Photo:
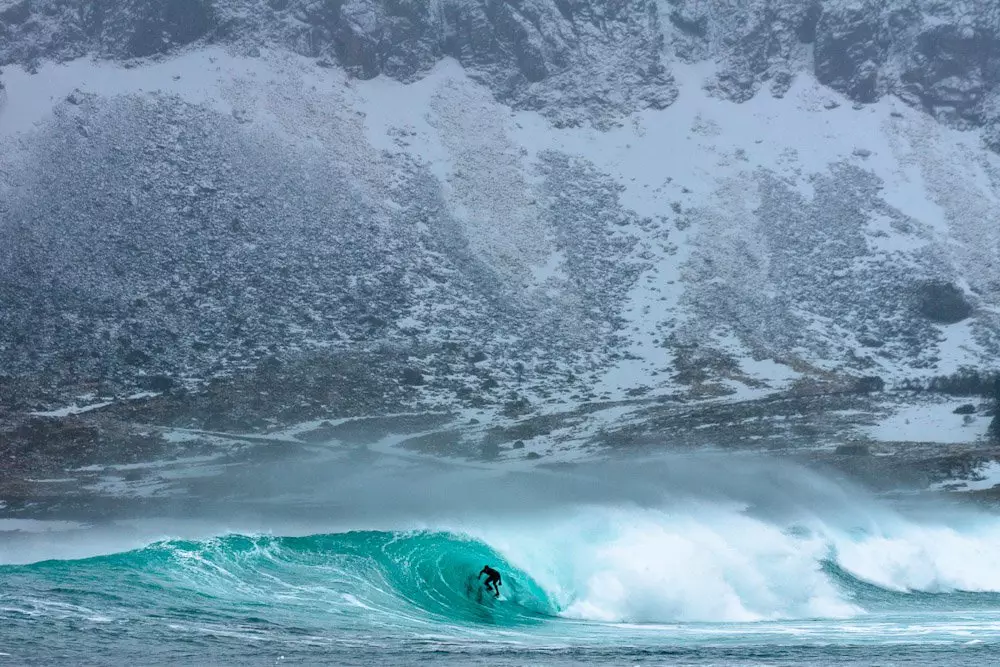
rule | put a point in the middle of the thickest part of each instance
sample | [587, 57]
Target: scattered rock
[16, 13]
[942, 302]
[852, 449]
[869, 384]
[412, 376]
[158, 383]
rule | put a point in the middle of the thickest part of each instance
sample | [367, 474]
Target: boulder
[942, 302]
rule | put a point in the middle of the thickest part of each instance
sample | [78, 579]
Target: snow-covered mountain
[268, 212]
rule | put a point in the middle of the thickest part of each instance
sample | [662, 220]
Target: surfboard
[476, 590]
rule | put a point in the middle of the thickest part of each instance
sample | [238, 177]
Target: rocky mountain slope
[240, 215]
[574, 60]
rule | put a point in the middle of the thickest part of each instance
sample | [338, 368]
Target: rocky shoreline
[148, 454]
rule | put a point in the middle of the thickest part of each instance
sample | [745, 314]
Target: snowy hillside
[707, 241]
[514, 206]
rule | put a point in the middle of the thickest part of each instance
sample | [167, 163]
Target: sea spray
[696, 563]
[902, 555]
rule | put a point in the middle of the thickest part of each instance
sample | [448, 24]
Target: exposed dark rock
[46, 445]
[16, 13]
[158, 383]
[806, 30]
[412, 376]
[850, 49]
[516, 406]
[966, 409]
[697, 26]
[149, 27]
[136, 358]
[991, 135]
[943, 303]
[868, 384]
[852, 449]
[952, 68]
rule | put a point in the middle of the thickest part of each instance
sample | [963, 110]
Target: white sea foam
[907, 556]
[716, 563]
[695, 564]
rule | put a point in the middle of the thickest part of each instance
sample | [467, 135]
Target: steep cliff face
[941, 56]
[31, 30]
[573, 60]
[576, 61]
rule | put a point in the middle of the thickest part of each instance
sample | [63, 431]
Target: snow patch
[930, 423]
[73, 409]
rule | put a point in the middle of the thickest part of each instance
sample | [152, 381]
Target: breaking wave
[603, 564]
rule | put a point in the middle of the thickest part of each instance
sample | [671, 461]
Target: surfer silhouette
[492, 577]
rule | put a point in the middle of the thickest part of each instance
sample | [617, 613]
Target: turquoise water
[599, 586]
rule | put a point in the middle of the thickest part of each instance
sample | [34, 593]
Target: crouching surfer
[492, 577]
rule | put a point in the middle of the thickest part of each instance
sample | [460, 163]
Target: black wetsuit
[492, 577]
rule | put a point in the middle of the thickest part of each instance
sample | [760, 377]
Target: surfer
[492, 577]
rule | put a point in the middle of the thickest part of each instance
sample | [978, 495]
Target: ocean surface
[690, 582]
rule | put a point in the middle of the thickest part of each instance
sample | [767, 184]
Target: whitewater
[696, 562]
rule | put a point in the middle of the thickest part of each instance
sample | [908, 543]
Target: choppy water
[691, 584]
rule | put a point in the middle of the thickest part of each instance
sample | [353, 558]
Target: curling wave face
[359, 580]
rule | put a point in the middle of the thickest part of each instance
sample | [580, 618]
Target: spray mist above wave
[712, 540]
[905, 556]
[637, 565]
